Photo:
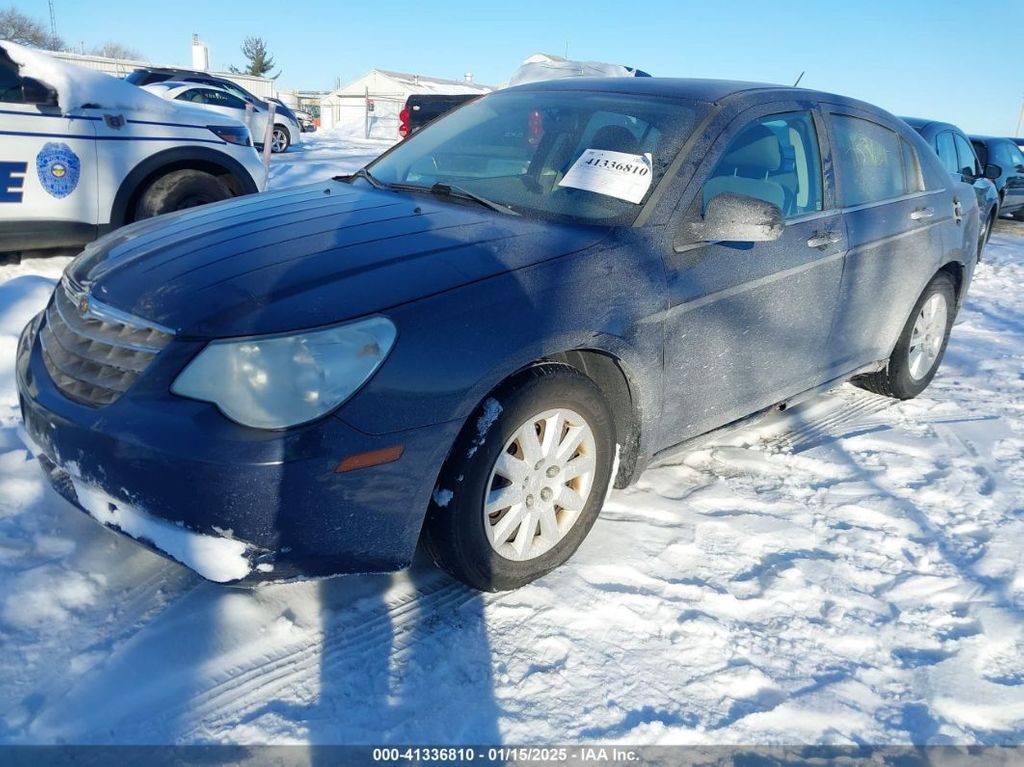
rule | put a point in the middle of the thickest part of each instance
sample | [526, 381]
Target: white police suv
[82, 153]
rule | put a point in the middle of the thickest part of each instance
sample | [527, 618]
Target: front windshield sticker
[615, 174]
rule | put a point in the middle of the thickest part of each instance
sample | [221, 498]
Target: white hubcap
[539, 484]
[927, 336]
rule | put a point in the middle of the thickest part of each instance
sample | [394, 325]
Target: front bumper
[152, 464]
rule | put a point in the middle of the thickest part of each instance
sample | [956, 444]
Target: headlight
[273, 382]
[233, 135]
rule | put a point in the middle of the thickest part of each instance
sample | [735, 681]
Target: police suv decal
[12, 179]
[58, 168]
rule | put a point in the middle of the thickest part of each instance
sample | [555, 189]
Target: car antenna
[801, 77]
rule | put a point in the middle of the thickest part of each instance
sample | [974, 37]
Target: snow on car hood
[78, 87]
[308, 256]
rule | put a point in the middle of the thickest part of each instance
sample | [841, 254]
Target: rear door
[894, 227]
[748, 323]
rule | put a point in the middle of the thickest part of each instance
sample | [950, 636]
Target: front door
[748, 322]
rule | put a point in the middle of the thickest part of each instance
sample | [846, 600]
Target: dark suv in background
[1005, 153]
[150, 75]
[961, 161]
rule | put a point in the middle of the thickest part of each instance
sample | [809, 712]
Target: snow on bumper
[218, 559]
[222, 560]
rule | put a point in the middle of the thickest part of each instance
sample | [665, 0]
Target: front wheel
[178, 190]
[920, 347]
[279, 139]
[525, 481]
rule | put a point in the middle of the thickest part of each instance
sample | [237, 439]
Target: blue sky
[912, 57]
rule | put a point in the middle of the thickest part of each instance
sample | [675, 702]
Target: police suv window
[870, 163]
[10, 82]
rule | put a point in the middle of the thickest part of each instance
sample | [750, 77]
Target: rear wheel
[525, 481]
[921, 345]
[179, 190]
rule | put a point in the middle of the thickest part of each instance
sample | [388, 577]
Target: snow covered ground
[851, 571]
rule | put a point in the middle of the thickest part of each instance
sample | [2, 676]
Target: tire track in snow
[331, 649]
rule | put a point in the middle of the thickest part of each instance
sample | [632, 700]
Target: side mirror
[737, 218]
[992, 172]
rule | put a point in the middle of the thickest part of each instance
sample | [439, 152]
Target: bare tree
[19, 28]
[260, 61]
[114, 50]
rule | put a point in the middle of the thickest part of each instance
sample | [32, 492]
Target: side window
[1016, 156]
[946, 148]
[911, 168]
[968, 162]
[195, 96]
[775, 159]
[981, 150]
[1005, 154]
[223, 100]
[15, 89]
[10, 83]
[870, 164]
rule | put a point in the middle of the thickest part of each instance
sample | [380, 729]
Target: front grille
[94, 357]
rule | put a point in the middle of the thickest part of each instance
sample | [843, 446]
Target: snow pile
[20, 300]
[79, 87]
[850, 571]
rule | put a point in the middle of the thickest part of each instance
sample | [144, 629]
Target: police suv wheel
[178, 190]
[279, 139]
[921, 345]
[525, 481]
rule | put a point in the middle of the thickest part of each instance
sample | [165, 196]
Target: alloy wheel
[927, 337]
[539, 484]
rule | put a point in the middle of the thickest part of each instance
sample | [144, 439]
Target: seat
[615, 138]
[753, 156]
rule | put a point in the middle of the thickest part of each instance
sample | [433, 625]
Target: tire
[178, 190]
[280, 139]
[458, 534]
[912, 366]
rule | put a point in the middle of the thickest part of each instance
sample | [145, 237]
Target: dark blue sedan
[467, 342]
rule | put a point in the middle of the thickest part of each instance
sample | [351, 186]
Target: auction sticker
[615, 174]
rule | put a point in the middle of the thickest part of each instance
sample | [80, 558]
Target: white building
[369, 105]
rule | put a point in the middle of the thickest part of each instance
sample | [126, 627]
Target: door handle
[823, 239]
[922, 213]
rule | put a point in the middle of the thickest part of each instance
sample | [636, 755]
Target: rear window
[870, 161]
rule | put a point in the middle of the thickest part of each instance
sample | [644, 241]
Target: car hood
[308, 256]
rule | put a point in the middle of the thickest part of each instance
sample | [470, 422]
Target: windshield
[570, 155]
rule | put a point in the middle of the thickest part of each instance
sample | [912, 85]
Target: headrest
[615, 138]
[757, 147]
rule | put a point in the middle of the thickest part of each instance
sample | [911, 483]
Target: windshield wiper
[363, 173]
[457, 192]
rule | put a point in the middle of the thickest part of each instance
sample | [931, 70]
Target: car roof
[178, 70]
[172, 84]
[993, 138]
[691, 89]
[922, 123]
